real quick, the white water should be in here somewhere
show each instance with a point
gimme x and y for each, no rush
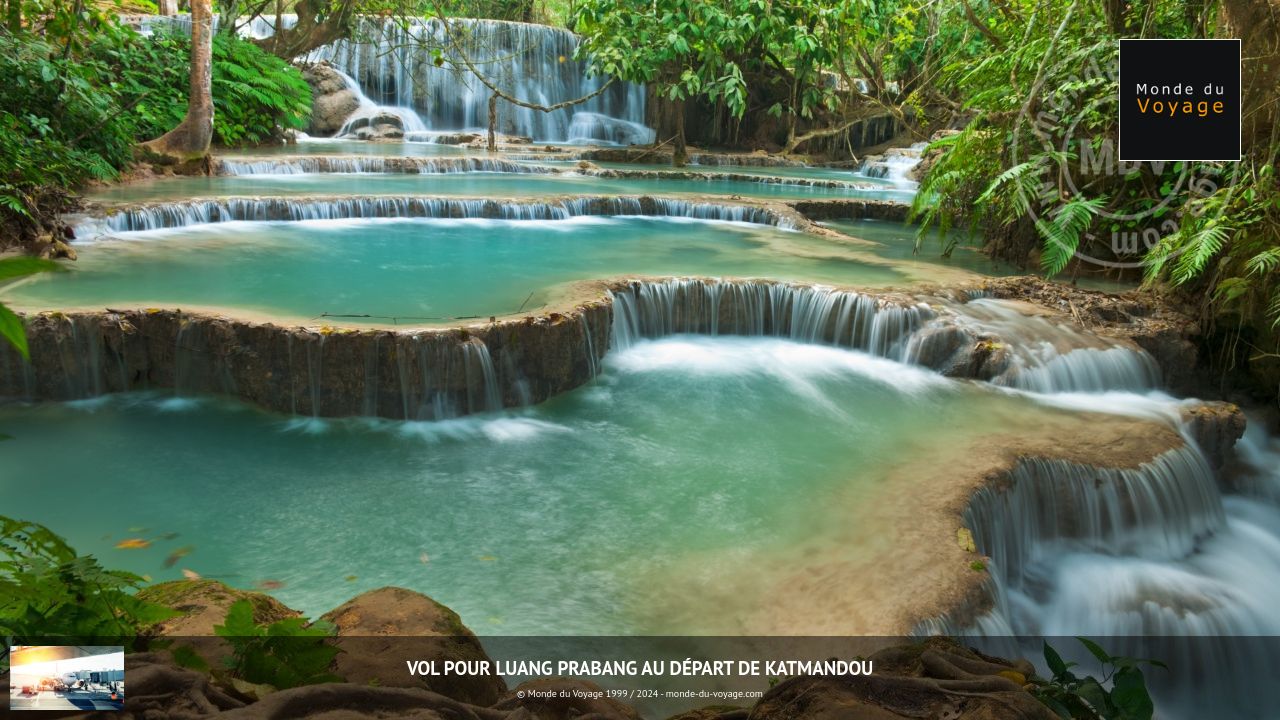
(373, 164)
(157, 216)
(395, 65)
(1154, 562)
(894, 166)
(369, 110)
(809, 314)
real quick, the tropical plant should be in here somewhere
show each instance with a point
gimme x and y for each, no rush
(11, 328)
(1035, 172)
(1120, 694)
(816, 65)
(287, 653)
(47, 590)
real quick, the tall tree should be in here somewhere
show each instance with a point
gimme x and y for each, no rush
(190, 139)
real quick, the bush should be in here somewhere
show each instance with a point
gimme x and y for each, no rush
(58, 129)
(47, 590)
(71, 112)
(255, 94)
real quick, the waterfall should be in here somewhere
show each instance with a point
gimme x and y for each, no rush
(368, 112)
(476, 353)
(1152, 561)
(1046, 356)
(306, 165)
(1085, 370)
(894, 165)
(155, 216)
(1160, 510)
(396, 64)
(804, 313)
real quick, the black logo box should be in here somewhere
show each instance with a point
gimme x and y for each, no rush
(1194, 65)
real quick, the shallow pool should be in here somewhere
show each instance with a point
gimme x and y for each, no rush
(471, 184)
(630, 505)
(420, 269)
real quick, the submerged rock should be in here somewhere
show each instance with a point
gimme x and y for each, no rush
(381, 629)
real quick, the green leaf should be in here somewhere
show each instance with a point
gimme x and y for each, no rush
(22, 266)
(239, 621)
(1054, 660)
(1096, 650)
(1130, 697)
(13, 330)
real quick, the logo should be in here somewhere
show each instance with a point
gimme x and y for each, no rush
(1078, 177)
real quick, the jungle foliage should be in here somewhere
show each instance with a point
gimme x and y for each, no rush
(818, 67)
(48, 590)
(77, 92)
(1035, 167)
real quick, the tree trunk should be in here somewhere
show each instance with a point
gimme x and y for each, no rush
(680, 155)
(168, 7)
(493, 122)
(190, 140)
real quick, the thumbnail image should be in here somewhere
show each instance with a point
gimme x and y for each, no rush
(66, 677)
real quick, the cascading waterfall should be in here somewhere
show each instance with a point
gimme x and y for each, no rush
(894, 165)
(368, 112)
(396, 64)
(1154, 561)
(373, 164)
(155, 216)
(1046, 356)
(804, 313)
(1151, 562)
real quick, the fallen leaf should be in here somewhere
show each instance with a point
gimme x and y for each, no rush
(133, 544)
(190, 574)
(351, 578)
(1013, 675)
(177, 555)
(488, 558)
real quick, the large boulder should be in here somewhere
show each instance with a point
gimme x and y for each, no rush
(332, 99)
(202, 604)
(381, 629)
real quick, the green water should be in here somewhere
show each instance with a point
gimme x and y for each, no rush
(810, 173)
(414, 268)
(569, 517)
(480, 184)
(896, 242)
